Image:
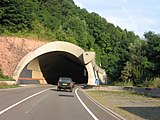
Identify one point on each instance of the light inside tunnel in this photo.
(62, 64)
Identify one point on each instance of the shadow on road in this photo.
(149, 113)
(53, 89)
(65, 95)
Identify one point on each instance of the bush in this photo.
(155, 83)
(120, 83)
(4, 77)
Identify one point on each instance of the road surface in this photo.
(45, 103)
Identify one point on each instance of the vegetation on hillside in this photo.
(3, 77)
(123, 55)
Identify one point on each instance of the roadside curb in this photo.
(5, 89)
(20, 87)
(104, 108)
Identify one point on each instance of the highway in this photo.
(46, 103)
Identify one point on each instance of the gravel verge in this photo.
(129, 105)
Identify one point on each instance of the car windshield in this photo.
(65, 79)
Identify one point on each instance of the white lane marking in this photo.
(37, 102)
(94, 117)
(10, 107)
(118, 117)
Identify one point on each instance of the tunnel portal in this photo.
(58, 59)
(57, 64)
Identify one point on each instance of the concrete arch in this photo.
(86, 58)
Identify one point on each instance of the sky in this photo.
(139, 16)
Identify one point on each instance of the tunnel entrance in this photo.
(58, 59)
(62, 64)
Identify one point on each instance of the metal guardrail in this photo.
(153, 92)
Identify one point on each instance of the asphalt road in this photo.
(45, 103)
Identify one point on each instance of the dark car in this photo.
(65, 83)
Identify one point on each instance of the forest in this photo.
(126, 58)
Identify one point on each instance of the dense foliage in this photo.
(144, 63)
(121, 53)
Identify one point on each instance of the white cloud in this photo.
(149, 21)
(79, 4)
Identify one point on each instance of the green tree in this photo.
(126, 73)
(63, 20)
(139, 61)
(153, 52)
(16, 14)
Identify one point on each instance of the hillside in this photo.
(13, 49)
(62, 20)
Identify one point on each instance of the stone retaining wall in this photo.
(13, 49)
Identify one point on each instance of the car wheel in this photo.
(58, 89)
(70, 90)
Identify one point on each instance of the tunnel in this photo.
(52, 60)
(62, 64)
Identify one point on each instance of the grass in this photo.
(6, 79)
(120, 83)
(129, 105)
(5, 86)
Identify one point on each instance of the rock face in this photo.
(13, 49)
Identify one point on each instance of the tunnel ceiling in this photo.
(56, 64)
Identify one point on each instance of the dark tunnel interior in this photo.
(62, 64)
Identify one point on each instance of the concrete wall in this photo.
(8, 82)
(13, 49)
(36, 71)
